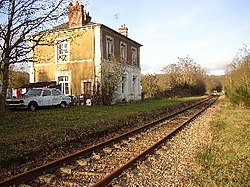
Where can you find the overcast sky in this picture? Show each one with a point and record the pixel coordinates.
(210, 31)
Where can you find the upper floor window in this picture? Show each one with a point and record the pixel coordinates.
(110, 47)
(134, 56)
(123, 51)
(62, 49)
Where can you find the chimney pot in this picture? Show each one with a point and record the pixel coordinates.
(123, 30)
(77, 16)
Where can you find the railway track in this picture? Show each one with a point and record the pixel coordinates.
(98, 165)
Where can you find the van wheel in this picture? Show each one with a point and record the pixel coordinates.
(32, 106)
(63, 104)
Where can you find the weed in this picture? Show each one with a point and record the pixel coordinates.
(226, 161)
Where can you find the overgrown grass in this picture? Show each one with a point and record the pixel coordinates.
(24, 134)
(226, 161)
(240, 96)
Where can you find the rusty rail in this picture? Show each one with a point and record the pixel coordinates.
(117, 172)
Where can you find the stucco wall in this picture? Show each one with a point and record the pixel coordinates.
(81, 46)
(80, 66)
(78, 72)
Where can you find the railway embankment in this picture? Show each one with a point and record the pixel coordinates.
(29, 139)
(212, 150)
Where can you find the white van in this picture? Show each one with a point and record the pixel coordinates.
(39, 97)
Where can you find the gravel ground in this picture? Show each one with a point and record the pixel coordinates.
(174, 163)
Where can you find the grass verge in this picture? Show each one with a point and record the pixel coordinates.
(226, 161)
(25, 135)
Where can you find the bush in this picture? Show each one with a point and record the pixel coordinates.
(237, 79)
(241, 96)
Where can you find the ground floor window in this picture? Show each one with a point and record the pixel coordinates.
(124, 78)
(63, 81)
(134, 84)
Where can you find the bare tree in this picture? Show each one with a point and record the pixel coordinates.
(186, 74)
(150, 85)
(19, 19)
(174, 74)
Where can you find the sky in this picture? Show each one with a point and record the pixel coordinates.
(209, 31)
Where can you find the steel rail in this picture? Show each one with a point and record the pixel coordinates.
(106, 180)
(33, 173)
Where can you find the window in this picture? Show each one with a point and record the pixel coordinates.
(133, 84)
(64, 83)
(123, 83)
(56, 92)
(123, 51)
(46, 93)
(62, 48)
(134, 56)
(35, 92)
(110, 47)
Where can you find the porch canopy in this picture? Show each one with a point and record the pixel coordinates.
(49, 84)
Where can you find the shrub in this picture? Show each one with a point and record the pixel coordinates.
(241, 96)
(237, 79)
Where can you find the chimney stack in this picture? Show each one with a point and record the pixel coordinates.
(77, 16)
(123, 30)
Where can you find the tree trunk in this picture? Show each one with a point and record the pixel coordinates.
(4, 90)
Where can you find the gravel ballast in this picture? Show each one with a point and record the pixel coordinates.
(173, 164)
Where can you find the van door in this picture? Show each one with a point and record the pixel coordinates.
(46, 98)
(57, 97)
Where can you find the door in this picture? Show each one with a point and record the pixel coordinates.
(57, 97)
(87, 89)
(46, 98)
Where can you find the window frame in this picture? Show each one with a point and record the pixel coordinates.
(123, 51)
(134, 56)
(62, 50)
(134, 82)
(123, 83)
(87, 87)
(91, 84)
(46, 93)
(110, 49)
(65, 84)
(56, 92)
